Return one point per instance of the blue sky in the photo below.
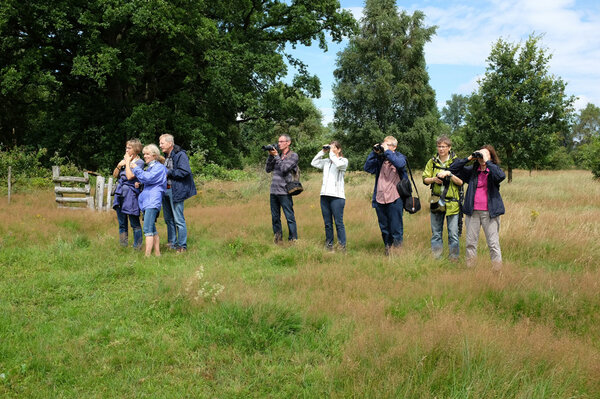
(456, 56)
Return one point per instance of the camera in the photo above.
(326, 147)
(378, 148)
(270, 147)
(477, 154)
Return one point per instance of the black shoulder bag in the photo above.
(411, 204)
(294, 187)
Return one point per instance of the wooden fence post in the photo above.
(9, 182)
(99, 193)
(109, 187)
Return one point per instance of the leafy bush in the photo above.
(24, 162)
(208, 170)
(588, 156)
(559, 159)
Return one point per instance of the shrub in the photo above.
(588, 156)
(25, 162)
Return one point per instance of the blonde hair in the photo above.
(152, 149)
(392, 140)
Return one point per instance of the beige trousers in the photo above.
(491, 229)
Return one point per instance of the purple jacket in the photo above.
(126, 195)
(154, 180)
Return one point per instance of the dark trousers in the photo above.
(136, 226)
(286, 203)
(389, 217)
(333, 208)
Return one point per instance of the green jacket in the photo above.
(435, 166)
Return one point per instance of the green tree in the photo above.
(587, 124)
(288, 113)
(79, 78)
(455, 111)
(519, 107)
(382, 85)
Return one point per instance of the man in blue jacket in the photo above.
(388, 166)
(180, 186)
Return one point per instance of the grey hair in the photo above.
(168, 138)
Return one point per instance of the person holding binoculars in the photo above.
(333, 198)
(483, 204)
(446, 194)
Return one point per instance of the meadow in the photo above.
(240, 317)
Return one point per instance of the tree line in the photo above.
(80, 78)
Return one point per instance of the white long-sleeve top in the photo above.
(333, 173)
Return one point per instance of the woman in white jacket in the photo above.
(333, 199)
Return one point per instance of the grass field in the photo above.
(239, 317)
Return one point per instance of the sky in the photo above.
(466, 31)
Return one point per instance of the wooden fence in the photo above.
(82, 195)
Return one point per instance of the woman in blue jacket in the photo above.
(154, 179)
(483, 204)
(125, 201)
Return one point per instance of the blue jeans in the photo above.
(134, 221)
(437, 231)
(333, 208)
(389, 217)
(173, 214)
(150, 215)
(286, 203)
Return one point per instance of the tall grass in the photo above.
(82, 317)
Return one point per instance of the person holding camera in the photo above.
(333, 199)
(125, 200)
(154, 179)
(483, 204)
(445, 198)
(388, 166)
(180, 186)
(282, 165)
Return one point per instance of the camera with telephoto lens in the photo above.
(270, 147)
(326, 147)
(378, 148)
(477, 154)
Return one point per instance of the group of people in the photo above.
(445, 173)
(166, 183)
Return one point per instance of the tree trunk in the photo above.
(509, 174)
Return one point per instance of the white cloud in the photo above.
(570, 32)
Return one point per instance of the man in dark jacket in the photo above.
(388, 166)
(180, 186)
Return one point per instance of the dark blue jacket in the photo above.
(182, 180)
(470, 174)
(375, 161)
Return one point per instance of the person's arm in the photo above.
(151, 176)
(128, 172)
(139, 163)
(372, 163)
(496, 173)
(270, 165)
(397, 159)
(428, 177)
(340, 163)
(318, 161)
